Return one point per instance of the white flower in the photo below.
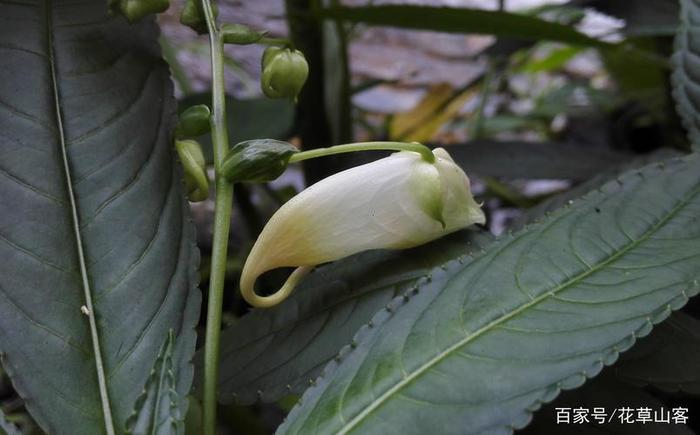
(397, 202)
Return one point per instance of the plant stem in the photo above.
(222, 223)
(416, 147)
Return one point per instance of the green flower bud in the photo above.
(192, 15)
(195, 167)
(134, 10)
(193, 122)
(240, 34)
(284, 72)
(257, 161)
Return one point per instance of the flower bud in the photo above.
(193, 122)
(257, 161)
(134, 10)
(192, 15)
(240, 34)
(284, 72)
(397, 202)
(195, 167)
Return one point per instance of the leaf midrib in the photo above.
(351, 424)
(99, 364)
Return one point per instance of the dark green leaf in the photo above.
(686, 75)
(478, 348)
(97, 249)
(517, 159)
(156, 410)
(272, 352)
(462, 20)
(668, 359)
(604, 175)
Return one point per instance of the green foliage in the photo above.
(530, 160)
(97, 248)
(463, 20)
(156, 410)
(476, 349)
(686, 70)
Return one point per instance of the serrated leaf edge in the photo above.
(552, 391)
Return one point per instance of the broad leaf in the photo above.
(156, 409)
(478, 348)
(273, 352)
(462, 20)
(519, 159)
(98, 256)
(668, 359)
(686, 74)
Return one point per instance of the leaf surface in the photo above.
(156, 412)
(98, 255)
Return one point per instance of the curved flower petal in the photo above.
(397, 202)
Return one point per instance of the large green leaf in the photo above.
(462, 20)
(98, 255)
(668, 359)
(686, 74)
(520, 159)
(272, 352)
(478, 348)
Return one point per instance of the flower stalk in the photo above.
(222, 221)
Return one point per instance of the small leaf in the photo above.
(686, 74)
(481, 346)
(156, 409)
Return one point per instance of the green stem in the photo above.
(222, 223)
(416, 147)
